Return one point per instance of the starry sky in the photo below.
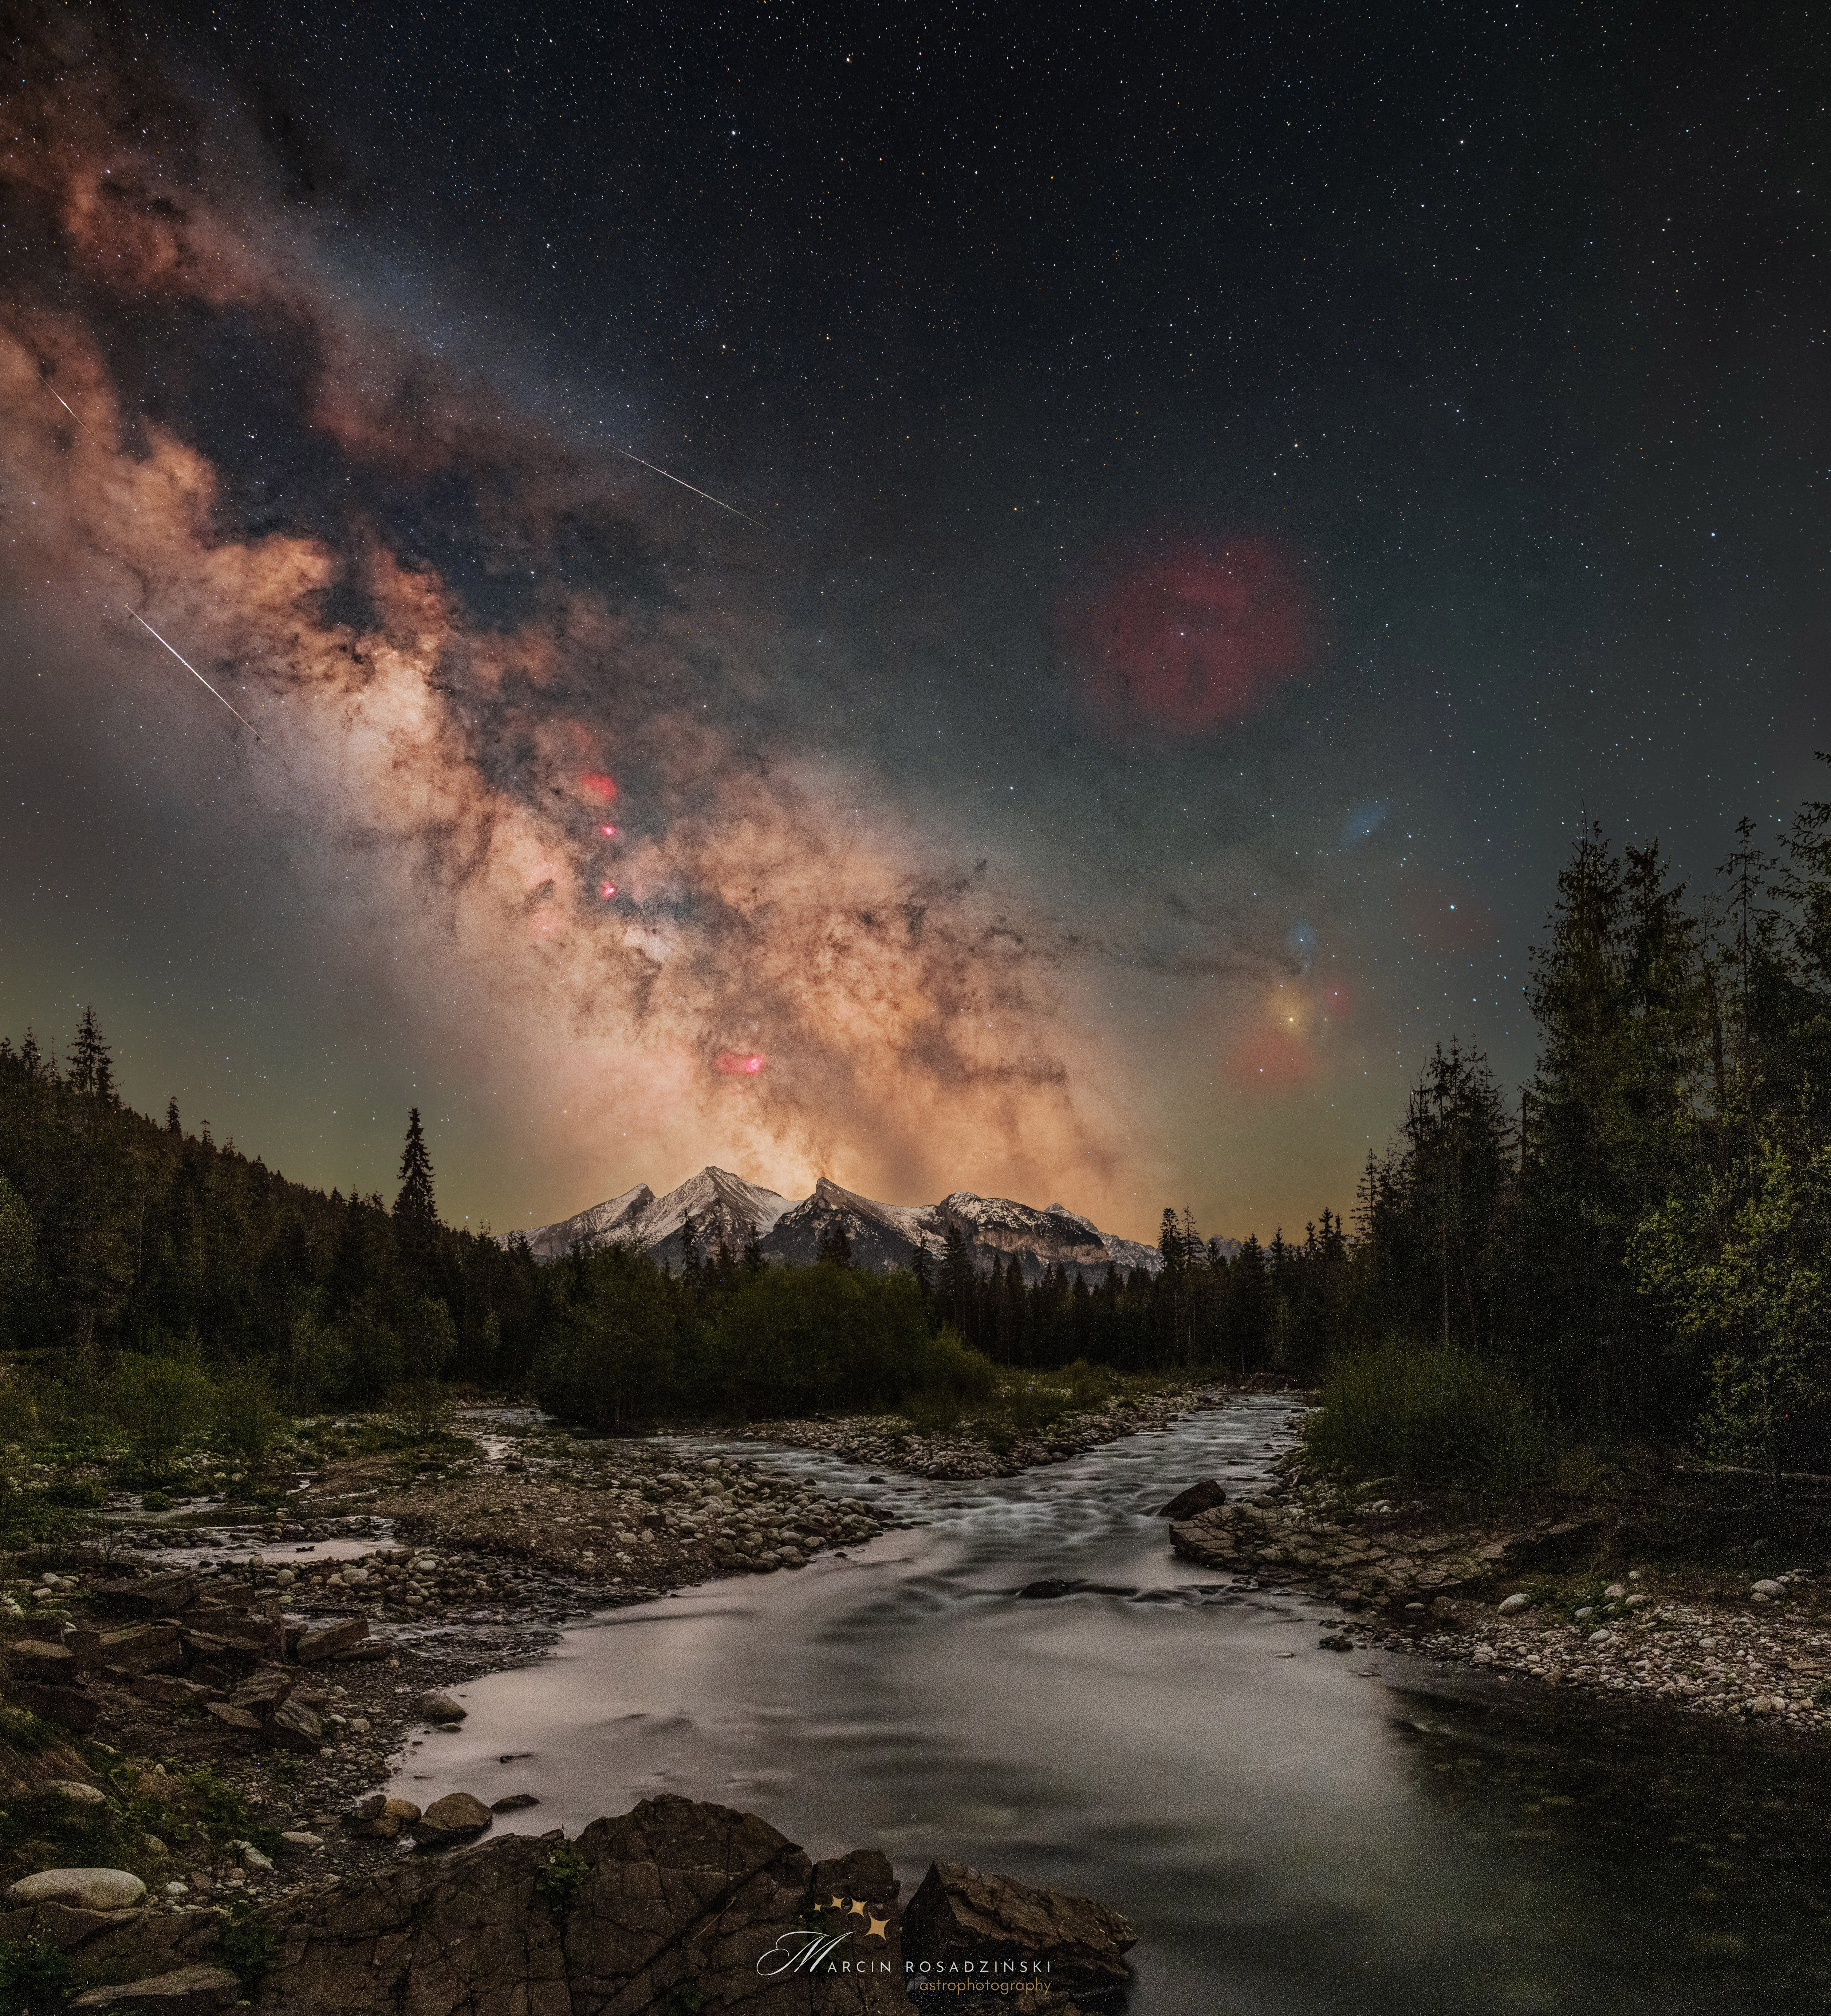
(1207, 501)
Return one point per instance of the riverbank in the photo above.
(1578, 1601)
(418, 1572)
(153, 1681)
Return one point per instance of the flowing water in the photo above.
(1289, 1830)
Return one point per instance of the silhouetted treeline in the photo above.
(119, 1233)
(1638, 1240)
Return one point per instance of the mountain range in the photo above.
(721, 1207)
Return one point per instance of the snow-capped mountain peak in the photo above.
(726, 1209)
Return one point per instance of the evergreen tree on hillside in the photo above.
(171, 1122)
(1621, 990)
(414, 1207)
(90, 1068)
(835, 1245)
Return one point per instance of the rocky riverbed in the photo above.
(1001, 1448)
(240, 1686)
(1556, 1600)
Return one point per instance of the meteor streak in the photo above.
(197, 676)
(693, 487)
(67, 407)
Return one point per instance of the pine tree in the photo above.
(959, 1282)
(29, 1056)
(836, 1244)
(90, 1068)
(414, 1207)
(171, 1122)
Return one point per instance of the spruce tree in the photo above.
(90, 1068)
(414, 1206)
(171, 1122)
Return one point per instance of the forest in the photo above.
(1632, 1244)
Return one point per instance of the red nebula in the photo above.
(1197, 635)
(606, 889)
(731, 1064)
(595, 784)
(609, 831)
(1271, 1060)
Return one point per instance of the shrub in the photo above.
(75, 1495)
(566, 1873)
(1430, 1415)
(34, 1978)
(246, 1946)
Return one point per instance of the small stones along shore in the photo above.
(1538, 1601)
(1711, 1659)
(298, 1664)
(887, 1441)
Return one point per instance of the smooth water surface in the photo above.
(1289, 1830)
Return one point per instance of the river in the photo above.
(1290, 1830)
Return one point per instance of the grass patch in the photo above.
(1426, 1415)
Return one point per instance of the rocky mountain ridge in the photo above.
(722, 1207)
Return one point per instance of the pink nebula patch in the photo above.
(606, 889)
(1194, 636)
(595, 784)
(737, 1064)
(1271, 1060)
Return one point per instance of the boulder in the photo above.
(148, 1596)
(1075, 1945)
(141, 1648)
(264, 1693)
(457, 1817)
(76, 1791)
(168, 1688)
(90, 1889)
(37, 1659)
(440, 1707)
(73, 1706)
(677, 1904)
(1202, 1497)
(231, 1717)
(331, 1638)
(197, 1990)
(294, 1726)
(515, 1802)
(1512, 1606)
(1046, 1591)
(380, 1817)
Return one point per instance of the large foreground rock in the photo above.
(674, 1900)
(962, 1925)
(672, 1908)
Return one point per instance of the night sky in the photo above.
(1226, 493)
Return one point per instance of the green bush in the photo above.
(1429, 1414)
(247, 1945)
(34, 1978)
(75, 1495)
(156, 1501)
(566, 1873)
